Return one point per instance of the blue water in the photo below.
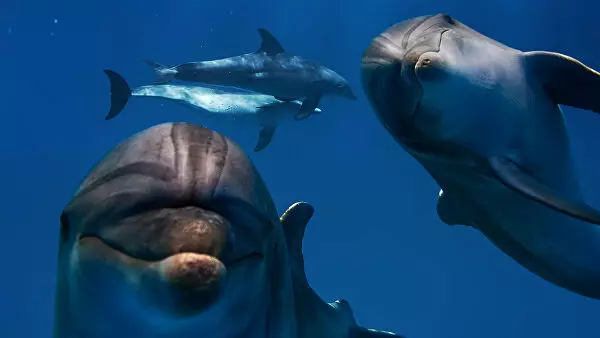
(375, 239)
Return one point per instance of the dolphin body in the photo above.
(269, 70)
(174, 234)
(244, 107)
(484, 120)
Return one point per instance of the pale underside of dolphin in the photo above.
(484, 120)
(269, 70)
(174, 234)
(245, 108)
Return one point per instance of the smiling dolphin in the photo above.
(174, 234)
(269, 70)
(484, 120)
(243, 107)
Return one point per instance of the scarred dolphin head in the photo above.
(389, 70)
(172, 233)
(432, 77)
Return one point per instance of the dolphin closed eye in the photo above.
(172, 233)
(249, 109)
(269, 70)
(484, 120)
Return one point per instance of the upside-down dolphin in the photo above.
(246, 108)
(269, 70)
(173, 235)
(484, 120)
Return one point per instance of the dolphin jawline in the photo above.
(194, 280)
(131, 259)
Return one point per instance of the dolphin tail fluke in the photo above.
(163, 73)
(119, 93)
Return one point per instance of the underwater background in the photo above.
(375, 239)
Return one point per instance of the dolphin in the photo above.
(244, 107)
(174, 234)
(269, 70)
(484, 120)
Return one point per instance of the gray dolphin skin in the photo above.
(246, 108)
(174, 234)
(484, 120)
(269, 70)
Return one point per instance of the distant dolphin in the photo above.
(484, 121)
(269, 70)
(174, 234)
(246, 107)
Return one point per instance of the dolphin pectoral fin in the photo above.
(362, 332)
(269, 44)
(119, 93)
(566, 80)
(450, 210)
(265, 136)
(514, 178)
(308, 108)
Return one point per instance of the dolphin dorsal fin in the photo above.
(269, 44)
(294, 221)
(335, 319)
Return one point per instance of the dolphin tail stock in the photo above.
(119, 93)
(163, 73)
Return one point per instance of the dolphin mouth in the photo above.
(84, 239)
(180, 285)
(174, 261)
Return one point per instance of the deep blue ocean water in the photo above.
(375, 239)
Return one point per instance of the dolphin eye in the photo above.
(65, 227)
(431, 67)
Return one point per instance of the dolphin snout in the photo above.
(173, 257)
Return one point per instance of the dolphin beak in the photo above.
(170, 257)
